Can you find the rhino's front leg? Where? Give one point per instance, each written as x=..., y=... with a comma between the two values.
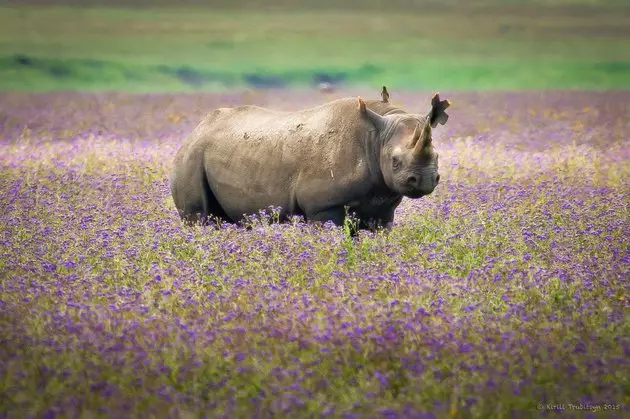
x=376, y=224
x=383, y=220
x=386, y=221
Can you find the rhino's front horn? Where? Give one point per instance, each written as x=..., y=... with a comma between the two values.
x=376, y=119
x=414, y=138
x=425, y=135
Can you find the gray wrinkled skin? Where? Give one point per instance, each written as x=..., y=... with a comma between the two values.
x=317, y=162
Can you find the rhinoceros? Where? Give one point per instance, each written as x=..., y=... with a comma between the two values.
x=347, y=156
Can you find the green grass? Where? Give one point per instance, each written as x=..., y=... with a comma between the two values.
x=175, y=49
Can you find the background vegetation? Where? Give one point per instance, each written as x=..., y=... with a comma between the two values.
x=404, y=44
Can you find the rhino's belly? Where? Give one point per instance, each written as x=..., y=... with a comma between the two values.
x=250, y=193
x=237, y=202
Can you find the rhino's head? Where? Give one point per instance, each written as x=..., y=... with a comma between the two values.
x=408, y=160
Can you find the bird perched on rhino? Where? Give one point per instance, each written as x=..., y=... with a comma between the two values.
x=385, y=95
x=347, y=156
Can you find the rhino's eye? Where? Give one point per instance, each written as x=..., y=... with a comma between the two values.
x=396, y=162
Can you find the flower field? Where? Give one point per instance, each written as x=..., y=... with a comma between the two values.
x=505, y=293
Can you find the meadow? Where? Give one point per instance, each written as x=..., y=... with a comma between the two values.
x=502, y=294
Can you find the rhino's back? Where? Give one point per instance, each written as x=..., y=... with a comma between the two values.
x=263, y=137
x=258, y=123
x=324, y=131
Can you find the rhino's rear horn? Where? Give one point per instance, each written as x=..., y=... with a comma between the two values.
x=437, y=115
x=376, y=119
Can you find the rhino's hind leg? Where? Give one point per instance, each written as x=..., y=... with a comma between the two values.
x=211, y=209
x=200, y=204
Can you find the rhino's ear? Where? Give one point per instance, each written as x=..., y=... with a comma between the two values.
x=362, y=106
x=385, y=95
x=376, y=119
x=437, y=114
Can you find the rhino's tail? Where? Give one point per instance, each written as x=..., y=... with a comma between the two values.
x=437, y=115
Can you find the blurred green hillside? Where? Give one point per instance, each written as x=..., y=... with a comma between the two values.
x=184, y=46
